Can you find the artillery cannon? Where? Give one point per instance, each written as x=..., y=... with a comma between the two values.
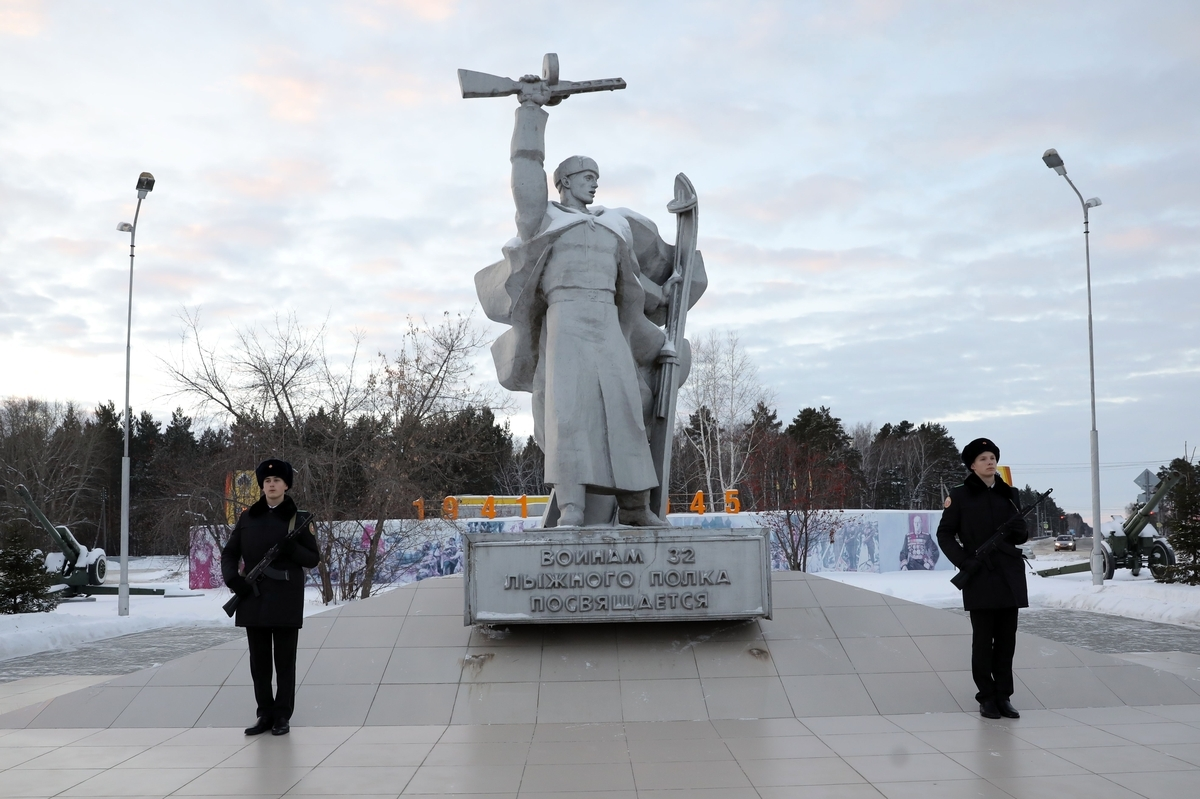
x=1133, y=545
x=75, y=566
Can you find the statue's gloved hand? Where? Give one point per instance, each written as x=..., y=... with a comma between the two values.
x=534, y=91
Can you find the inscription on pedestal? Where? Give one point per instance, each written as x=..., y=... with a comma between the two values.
x=642, y=574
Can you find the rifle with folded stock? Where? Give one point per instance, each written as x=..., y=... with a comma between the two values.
x=985, y=549
x=297, y=524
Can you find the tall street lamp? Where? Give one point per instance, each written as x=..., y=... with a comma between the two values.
x=1055, y=162
x=145, y=185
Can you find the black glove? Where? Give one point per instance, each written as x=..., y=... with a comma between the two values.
x=971, y=566
x=240, y=586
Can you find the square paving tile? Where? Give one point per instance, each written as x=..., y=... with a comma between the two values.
x=78, y=756
x=772, y=748
x=495, y=703
x=583, y=661
x=864, y=622
x=136, y=782
x=210, y=667
x=801, y=771
x=604, y=751
x=178, y=706
x=243, y=782
x=918, y=620
x=662, y=700
x=439, y=664
x=97, y=706
x=423, y=631
x=828, y=695
x=442, y=780
x=800, y=623
x=656, y=660
x=502, y=664
x=368, y=632
x=1126, y=759
x=746, y=698
x=579, y=702
x=1068, y=687
x=1084, y=786
x=892, y=654
x=734, y=659
x=895, y=744
x=347, y=666
x=809, y=656
x=233, y=706
x=477, y=753
x=921, y=692
x=332, y=705
x=563, y=778
x=415, y=704
x=43, y=782
x=689, y=775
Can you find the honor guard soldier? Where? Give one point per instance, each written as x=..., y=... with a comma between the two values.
x=973, y=512
x=272, y=608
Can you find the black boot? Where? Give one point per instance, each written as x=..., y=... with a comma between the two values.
x=1006, y=709
x=988, y=709
x=262, y=725
x=281, y=727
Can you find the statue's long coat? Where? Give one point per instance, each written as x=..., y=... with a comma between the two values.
x=509, y=292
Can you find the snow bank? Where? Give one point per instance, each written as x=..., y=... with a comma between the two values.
x=74, y=622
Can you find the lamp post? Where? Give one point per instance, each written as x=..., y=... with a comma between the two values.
x=145, y=185
x=1055, y=162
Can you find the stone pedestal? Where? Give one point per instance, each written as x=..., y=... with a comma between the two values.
x=591, y=574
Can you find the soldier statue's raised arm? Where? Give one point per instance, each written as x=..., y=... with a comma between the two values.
x=583, y=289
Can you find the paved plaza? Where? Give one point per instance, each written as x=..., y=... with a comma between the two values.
x=845, y=693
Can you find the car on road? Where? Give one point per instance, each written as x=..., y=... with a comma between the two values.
x=1064, y=542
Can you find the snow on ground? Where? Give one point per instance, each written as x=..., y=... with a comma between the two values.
x=1125, y=595
x=75, y=622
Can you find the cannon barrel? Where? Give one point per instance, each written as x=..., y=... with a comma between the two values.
x=71, y=548
x=1134, y=525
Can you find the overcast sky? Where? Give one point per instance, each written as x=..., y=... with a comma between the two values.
x=876, y=219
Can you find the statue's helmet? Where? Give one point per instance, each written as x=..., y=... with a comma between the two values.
x=574, y=164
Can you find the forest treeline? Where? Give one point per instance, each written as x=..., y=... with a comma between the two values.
x=367, y=442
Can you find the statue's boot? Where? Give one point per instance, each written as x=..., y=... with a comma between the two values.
x=570, y=504
x=634, y=509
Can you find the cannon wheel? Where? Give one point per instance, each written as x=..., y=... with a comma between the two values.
x=97, y=570
x=1110, y=563
x=1161, y=557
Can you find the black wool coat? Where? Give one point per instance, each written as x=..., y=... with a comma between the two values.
x=279, y=603
x=971, y=517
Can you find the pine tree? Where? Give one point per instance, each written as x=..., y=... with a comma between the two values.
x=24, y=583
x=1184, y=506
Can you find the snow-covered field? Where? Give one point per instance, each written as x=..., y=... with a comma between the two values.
x=1132, y=597
x=74, y=623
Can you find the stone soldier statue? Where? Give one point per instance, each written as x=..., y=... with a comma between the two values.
x=584, y=290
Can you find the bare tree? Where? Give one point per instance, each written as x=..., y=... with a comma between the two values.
x=51, y=449
x=719, y=399
x=284, y=397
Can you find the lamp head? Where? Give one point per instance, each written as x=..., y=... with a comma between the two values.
x=1054, y=161
x=1092, y=203
x=145, y=185
x=125, y=227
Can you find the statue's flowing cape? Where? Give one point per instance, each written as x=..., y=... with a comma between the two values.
x=508, y=291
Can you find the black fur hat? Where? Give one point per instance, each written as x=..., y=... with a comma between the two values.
x=974, y=450
x=273, y=467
